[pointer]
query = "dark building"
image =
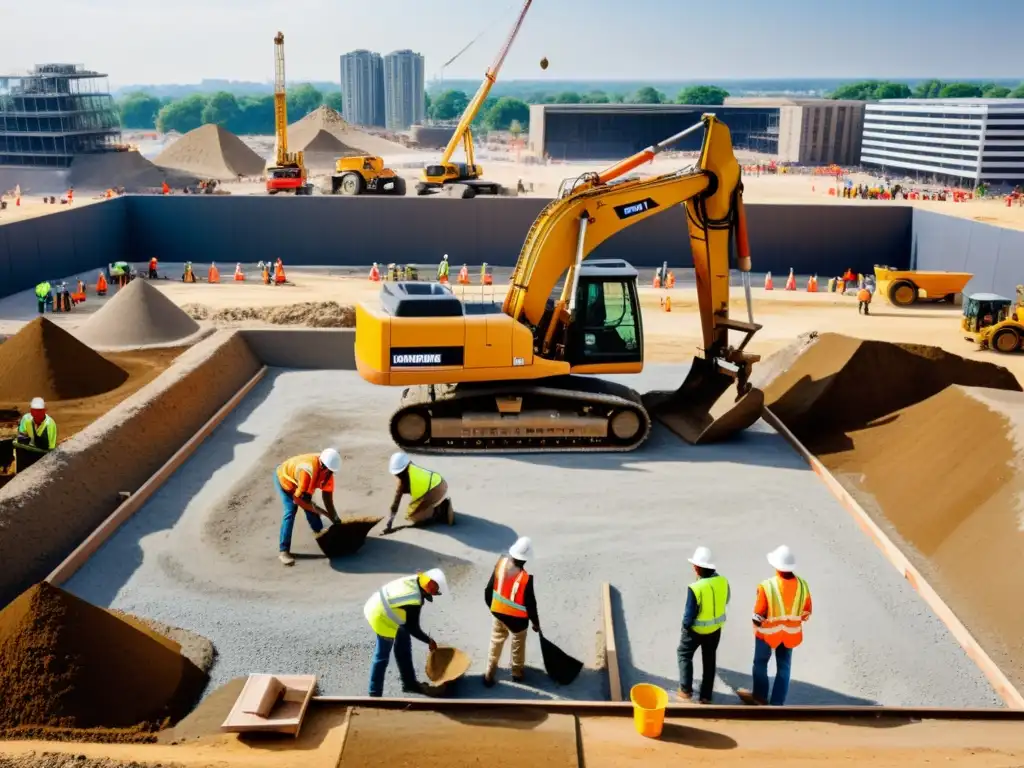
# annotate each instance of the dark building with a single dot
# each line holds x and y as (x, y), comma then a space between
(53, 113)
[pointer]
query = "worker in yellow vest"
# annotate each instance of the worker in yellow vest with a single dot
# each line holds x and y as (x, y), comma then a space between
(429, 492)
(393, 612)
(703, 619)
(37, 435)
(509, 594)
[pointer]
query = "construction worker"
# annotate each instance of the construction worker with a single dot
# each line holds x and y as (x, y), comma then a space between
(44, 296)
(703, 619)
(783, 605)
(863, 300)
(442, 270)
(152, 268)
(189, 275)
(509, 594)
(296, 480)
(37, 435)
(429, 492)
(393, 612)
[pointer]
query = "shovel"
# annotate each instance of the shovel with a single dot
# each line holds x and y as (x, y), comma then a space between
(560, 666)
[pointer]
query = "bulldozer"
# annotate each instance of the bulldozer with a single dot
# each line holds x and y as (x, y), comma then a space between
(365, 174)
(520, 376)
(994, 322)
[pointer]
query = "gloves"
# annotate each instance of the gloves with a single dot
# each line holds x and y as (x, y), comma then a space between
(432, 645)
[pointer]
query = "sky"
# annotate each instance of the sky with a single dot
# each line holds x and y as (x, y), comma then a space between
(185, 41)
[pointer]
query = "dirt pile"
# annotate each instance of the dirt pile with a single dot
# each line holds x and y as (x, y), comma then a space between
(210, 152)
(66, 664)
(346, 538)
(324, 131)
(130, 170)
(313, 314)
(70, 760)
(44, 360)
(139, 315)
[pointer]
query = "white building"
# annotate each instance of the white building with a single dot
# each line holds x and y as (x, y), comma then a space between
(362, 88)
(954, 140)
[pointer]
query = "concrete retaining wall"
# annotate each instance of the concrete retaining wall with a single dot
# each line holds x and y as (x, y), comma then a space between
(994, 254)
(50, 509)
(330, 349)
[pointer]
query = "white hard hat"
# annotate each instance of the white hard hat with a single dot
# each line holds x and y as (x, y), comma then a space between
(782, 559)
(446, 257)
(702, 558)
(522, 549)
(37, 404)
(398, 462)
(331, 459)
(436, 575)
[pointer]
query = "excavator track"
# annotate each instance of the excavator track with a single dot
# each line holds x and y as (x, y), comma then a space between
(557, 415)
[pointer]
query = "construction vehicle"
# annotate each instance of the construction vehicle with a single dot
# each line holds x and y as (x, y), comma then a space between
(994, 322)
(365, 174)
(288, 174)
(906, 287)
(467, 177)
(505, 377)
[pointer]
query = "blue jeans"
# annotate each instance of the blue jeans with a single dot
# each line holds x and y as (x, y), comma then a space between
(288, 521)
(783, 664)
(402, 643)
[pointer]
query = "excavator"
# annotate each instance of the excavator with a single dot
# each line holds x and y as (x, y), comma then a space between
(467, 177)
(288, 174)
(520, 376)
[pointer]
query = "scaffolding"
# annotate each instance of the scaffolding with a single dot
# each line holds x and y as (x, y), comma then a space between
(765, 139)
(53, 113)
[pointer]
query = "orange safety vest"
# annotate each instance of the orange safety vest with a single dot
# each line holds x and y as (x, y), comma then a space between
(864, 295)
(153, 263)
(288, 473)
(508, 597)
(784, 624)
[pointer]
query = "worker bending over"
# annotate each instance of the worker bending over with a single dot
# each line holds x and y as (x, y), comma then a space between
(509, 593)
(783, 605)
(393, 612)
(153, 264)
(864, 300)
(296, 480)
(37, 435)
(429, 492)
(703, 619)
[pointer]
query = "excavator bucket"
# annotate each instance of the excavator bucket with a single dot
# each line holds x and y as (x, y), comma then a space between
(705, 408)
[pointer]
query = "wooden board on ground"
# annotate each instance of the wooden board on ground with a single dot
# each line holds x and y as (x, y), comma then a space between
(287, 714)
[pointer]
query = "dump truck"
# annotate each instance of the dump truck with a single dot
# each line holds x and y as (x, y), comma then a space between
(906, 287)
(365, 175)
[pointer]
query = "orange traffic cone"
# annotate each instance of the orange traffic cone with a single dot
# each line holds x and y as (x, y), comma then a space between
(769, 285)
(239, 274)
(279, 278)
(791, 281)
(657, 280)
(101, 285)
(666, 303)
(266, 274)
(374, 273)
(812, 284)
(464, 275)
(670, 281)
(213, 275)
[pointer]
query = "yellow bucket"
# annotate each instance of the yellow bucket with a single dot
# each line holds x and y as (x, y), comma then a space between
(649, 702)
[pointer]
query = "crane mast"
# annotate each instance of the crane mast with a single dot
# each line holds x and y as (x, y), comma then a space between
(280, 103)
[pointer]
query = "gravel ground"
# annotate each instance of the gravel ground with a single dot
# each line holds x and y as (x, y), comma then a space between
(202, 555)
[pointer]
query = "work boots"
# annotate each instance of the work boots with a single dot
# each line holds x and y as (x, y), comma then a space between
(286, 558)
(445, 512)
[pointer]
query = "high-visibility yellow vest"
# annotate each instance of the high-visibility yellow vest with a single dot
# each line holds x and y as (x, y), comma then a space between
(385, 610)
(43, 437)
(421, 480)
(442, 269)
(712, 595)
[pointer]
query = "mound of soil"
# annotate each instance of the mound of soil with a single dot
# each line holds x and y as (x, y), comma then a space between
(346, 538)
(139, 315)
(106, 170)
(67, 664)
(211, 152)
(325, 131)
(44, 360)
(313, 314)
(70, 760)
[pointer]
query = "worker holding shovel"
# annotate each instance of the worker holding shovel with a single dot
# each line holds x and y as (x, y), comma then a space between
(509, 593)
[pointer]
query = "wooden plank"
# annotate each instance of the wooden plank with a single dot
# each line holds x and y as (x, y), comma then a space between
(610, 653)
(131, 505)
(288, 713)
(1002, 685)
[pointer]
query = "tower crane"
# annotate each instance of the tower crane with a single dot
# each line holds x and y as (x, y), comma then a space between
(288, 174)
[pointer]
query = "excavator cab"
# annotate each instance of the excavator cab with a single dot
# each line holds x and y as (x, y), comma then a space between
(606, 329)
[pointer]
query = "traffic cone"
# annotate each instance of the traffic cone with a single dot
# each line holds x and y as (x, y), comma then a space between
(791, 281)
(213, 275)
(812, 284)
(657, 280)
(239, 274)
(374, 273)
(769, 285)
(464, 275)
(279, 278)
(670, 281)
(667, 303)
(101, 285)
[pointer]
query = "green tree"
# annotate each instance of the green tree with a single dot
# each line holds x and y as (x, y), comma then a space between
(929, 89)
(996, 92)
(594, 97)
(333, 100)
(221, 108)
(302, 100)
(507, 111)
(515, 128)
(960, 91)
(182, 115)
(139, 110)
(1018, 92)
(648, 95)
(872, 90)
(255, 116)
(480, 121)
(892, 91)
(448, 105)
(567, 97)
(616, 98)
(426, 104)
(702, 94)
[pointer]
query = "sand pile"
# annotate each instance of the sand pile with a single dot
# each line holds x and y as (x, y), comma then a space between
(43, 360)
(122, 169)
(346, 538)
(324, 131)
(313, 314)
(67, 664)
(139, 315)
(211, 152)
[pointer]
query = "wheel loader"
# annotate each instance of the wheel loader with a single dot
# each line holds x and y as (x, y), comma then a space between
(365, 175)
(994, 322)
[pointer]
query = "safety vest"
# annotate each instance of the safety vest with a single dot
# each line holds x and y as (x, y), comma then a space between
(712, 595)
(42, 291)
(385, 610)
(44, 437)
(784, 624)
(442, 269)
(421, 480)
(288, 472)
(509, 595)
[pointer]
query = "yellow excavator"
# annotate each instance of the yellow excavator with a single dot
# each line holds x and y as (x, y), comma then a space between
(467, 177)
(505, 378)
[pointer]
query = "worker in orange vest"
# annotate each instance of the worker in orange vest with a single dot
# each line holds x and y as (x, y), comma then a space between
(165, 188)
(863, 301)
(296, 480)
(783, 605)
(101, 285)
(213, 275)
(279, 278)
(152, 268)
(509, 594)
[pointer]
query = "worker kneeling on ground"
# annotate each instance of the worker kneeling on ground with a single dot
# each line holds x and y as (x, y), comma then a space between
(509, 594)
(296, 480)
(703, 619)
(37, 435)
(429, 492)
(394, 615)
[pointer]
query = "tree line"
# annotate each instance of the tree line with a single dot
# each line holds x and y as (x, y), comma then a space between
(875, 90)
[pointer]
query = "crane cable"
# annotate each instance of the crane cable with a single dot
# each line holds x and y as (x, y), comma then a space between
(483, 32)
